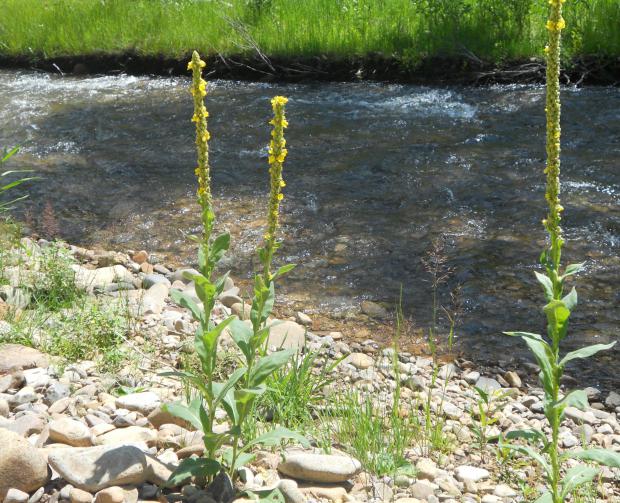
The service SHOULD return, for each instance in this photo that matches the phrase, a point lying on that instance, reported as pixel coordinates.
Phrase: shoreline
(584, 70)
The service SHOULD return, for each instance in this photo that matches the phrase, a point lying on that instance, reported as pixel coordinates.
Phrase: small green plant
(237, 395)
(55, 287)
(294, 392)
(558, 310)
(483, 415)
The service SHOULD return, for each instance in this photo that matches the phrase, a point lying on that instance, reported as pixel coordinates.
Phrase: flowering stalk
(557, 310)
(199, 91)
(277, 154)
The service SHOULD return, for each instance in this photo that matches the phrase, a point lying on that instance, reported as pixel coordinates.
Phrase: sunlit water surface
(375, 173)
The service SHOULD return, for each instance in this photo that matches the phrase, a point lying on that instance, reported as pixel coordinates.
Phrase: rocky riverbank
(69, 432)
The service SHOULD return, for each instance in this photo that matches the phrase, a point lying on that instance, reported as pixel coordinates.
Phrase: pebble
(471, 473)
(322, 468)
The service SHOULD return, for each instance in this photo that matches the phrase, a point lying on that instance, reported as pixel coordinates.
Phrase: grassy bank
(407, 30)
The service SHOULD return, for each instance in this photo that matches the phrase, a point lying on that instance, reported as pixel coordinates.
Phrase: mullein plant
(236, 395)
(557, 310)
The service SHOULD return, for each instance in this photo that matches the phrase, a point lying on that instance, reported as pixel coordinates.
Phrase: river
(375, 173)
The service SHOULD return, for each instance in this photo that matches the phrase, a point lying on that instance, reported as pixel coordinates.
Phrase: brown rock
(78, 496)
(17, 357)
(21, 465)
(112, 494)
(140, 257)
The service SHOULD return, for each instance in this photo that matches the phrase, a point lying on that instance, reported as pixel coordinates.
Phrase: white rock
(71, 432)
(322, 468)
(471, 473)
(144, 402)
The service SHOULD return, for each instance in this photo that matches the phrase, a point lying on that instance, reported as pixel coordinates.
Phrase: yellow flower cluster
(199, 91)
(553, 112)
(277, 155)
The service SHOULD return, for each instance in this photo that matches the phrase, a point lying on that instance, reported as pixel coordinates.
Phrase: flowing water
(375, 173)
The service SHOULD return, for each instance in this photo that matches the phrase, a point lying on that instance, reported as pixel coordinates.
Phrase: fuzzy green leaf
(282, 271)
(267, 365)
(184, 300)
(570, 299)
(219, 247)
(546, 283)
(190, 413)
(191, 467)
(528, 435)
(543, 354)
(572, 269)
(575, 477)
(528, 451)
(585, 352)
(221, 389)
(242, 334)
(546, 497)
(557, 318)
(275, 436)
(601, 456)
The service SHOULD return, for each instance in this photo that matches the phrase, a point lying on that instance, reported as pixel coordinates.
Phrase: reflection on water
(375, 173)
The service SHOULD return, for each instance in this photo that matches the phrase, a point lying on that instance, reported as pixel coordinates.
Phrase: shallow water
(375, 173)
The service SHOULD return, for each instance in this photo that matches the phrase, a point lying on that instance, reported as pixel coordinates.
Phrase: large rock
(471, 473)
(322, 468)
(286, 335)
(94, 468)
(128, 435)
(21, 465)
(89, 279)
(144, 402)
(17, 357)
(154, 299)
(71, 432)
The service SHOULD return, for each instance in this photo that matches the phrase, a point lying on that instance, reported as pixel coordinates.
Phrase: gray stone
(56, 391)
(112, 494)
(579, 416)
(90, 279)
(24, 395)
(373, 309)
(154, 299)
(426, 469)
(179, 275)
(94, 468)
(613, 400)
(21, 465)
(360, 361)
(286, 334)
(131, 434)
(471, 473)
(488, 385)
(303, 318)
(472, 377)
(153, 279)
(421, 490)
(144, 402)
(319, 467)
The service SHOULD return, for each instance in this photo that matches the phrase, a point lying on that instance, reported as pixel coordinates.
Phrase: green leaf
(230, 406)
(243, 458)
(219, 247)
(546, 283)
(543, 354)
(528, 451)
(570, 299)
(576, 398)
(221, 389)
(601, 456)
(211, 337)
(585, 352)
(190, 413)
(282, 271)
(241, 333)
(266, 496)
(274, 437)
(575, 477)
(192, 467)
(204, 288)
(528, 435)
(557, 317)
(572, 269)
(213, 441)
(546, 497)
(482, 393)
(267, 365)
(184, 300)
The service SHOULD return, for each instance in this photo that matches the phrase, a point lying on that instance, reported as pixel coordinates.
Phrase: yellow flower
(280, 196)
(282, 183)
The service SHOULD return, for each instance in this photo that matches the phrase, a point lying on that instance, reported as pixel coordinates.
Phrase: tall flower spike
(555, 24)
(199, 91)
(277, 154)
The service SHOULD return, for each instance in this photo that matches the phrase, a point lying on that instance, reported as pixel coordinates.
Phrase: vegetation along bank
(469, 41)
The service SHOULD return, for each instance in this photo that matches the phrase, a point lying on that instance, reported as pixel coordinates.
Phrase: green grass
(406, 29)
